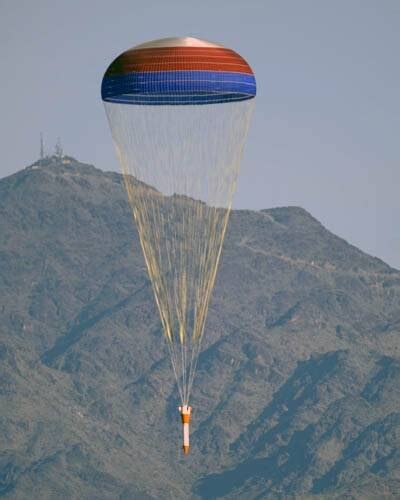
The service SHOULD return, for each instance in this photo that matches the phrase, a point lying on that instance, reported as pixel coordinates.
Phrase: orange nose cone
(186, 449)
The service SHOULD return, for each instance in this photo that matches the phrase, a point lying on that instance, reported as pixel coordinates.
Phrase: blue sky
(325, 133)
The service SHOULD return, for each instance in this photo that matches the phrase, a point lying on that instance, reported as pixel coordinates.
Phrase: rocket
(185, 412)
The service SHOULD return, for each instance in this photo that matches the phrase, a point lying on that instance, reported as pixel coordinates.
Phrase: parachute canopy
(179, 110)
(178, 71)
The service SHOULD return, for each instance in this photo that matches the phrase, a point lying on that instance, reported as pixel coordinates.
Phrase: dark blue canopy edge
(178, 87)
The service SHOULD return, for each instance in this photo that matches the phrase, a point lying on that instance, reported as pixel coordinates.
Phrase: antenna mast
(41, 148)
(58, 149)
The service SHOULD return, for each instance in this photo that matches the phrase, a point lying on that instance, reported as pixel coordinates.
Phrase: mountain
(297, 389)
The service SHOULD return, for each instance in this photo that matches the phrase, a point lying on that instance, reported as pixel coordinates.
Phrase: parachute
(179, 111)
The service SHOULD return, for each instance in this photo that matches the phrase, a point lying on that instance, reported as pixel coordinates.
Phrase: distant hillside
(297, 391)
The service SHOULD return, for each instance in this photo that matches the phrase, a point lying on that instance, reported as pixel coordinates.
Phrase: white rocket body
(185, 412)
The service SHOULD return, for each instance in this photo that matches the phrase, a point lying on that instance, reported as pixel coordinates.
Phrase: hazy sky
(325, 133)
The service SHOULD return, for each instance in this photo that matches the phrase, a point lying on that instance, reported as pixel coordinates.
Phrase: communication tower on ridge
(41, 147)
(58, 150)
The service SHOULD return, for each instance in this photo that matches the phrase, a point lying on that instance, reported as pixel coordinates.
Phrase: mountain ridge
(296, 391)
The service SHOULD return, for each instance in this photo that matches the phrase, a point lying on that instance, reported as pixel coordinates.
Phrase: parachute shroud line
(190, 157)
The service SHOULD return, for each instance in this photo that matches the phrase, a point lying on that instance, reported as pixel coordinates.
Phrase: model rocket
(185, 412)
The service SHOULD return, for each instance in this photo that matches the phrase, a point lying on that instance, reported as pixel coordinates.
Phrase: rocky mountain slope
(297, 391)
